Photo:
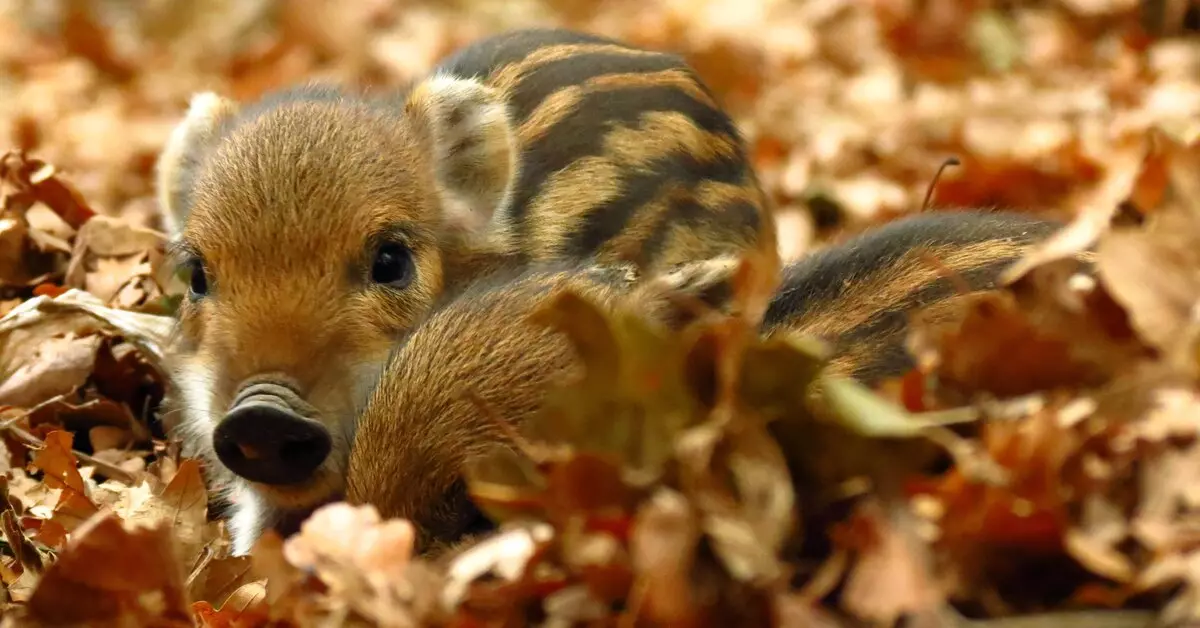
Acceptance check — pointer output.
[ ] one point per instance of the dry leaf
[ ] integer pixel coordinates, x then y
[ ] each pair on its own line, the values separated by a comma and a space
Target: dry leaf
109, 571
892, 575
57, 366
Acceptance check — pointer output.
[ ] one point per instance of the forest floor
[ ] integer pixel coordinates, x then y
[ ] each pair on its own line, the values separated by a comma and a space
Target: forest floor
1070, 497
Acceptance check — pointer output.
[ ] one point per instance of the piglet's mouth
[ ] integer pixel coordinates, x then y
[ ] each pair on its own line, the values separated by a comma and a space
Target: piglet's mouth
268, 437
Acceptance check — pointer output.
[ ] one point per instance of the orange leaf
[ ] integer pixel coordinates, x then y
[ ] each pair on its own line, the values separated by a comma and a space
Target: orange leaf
58, 462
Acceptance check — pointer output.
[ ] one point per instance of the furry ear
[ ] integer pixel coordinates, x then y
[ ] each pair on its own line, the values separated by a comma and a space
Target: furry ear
466, 129
205, 114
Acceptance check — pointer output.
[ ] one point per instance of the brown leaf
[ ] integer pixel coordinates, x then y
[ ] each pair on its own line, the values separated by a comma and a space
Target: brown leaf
59, 464
1154, 271
663, 549
505, 484
1169, 495
222, 581
1098, 205
35, 496
1095, 542
62, 472
46, 531
994, 347
47, 229
109, 254
586, 484
104, 236
113, 274
55, 367
40, 182
185, 504
245, 608
892, 576
26, 554
79, 312
109, 571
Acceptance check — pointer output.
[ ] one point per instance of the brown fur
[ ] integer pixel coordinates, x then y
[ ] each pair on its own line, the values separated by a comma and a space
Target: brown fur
438, 427
531, 147
417, 430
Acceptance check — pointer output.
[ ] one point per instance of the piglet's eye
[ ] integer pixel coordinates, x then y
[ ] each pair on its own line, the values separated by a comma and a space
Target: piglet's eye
393, 265
198, 282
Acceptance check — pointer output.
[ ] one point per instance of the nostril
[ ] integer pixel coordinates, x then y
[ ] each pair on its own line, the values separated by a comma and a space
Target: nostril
248, 452
304, 450
264, 442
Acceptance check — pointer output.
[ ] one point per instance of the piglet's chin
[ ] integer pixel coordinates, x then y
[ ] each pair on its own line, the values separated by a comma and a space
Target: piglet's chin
323, 488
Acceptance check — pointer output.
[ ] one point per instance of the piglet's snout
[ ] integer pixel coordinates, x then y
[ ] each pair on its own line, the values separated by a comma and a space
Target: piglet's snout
263, 438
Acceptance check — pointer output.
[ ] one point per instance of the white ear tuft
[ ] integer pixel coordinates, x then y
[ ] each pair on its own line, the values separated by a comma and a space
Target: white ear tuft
470, 136
188, 140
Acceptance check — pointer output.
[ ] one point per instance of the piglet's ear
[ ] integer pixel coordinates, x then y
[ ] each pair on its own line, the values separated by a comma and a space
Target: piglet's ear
465, 127
182, 153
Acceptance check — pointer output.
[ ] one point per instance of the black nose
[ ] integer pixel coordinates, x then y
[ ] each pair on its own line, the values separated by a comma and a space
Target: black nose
266, 443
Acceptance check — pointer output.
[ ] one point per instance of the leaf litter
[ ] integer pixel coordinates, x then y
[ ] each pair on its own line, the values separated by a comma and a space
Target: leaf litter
1036, 469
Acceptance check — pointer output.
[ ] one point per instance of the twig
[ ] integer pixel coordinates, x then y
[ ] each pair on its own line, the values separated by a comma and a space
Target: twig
29, 412
26, 552
950, 161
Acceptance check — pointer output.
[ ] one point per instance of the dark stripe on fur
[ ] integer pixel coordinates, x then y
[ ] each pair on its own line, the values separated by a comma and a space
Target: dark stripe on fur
822, 276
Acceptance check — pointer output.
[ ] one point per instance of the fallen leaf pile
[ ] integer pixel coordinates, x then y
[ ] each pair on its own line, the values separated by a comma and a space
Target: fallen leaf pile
1038, 468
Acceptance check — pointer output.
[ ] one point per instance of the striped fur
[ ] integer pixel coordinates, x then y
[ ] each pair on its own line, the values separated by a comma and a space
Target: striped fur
858, 295
531, 147
417, 431
624, 153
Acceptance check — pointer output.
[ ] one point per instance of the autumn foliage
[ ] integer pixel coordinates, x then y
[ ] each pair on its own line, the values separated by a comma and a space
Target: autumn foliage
1041, 461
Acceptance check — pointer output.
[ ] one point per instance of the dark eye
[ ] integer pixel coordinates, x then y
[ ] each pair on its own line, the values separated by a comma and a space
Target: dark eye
393, 265
198, 285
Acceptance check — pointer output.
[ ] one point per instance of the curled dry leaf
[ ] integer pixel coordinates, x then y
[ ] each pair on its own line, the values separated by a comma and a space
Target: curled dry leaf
340, 536
244, 608
28, 253
74, 310
110, 254
1098, 205
28, 340
225, 584
38, 181
1153, 271
180, 506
